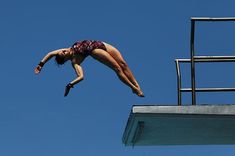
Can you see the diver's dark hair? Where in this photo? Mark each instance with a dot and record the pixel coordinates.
(59, 59)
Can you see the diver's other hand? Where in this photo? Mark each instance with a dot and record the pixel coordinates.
(67, 89)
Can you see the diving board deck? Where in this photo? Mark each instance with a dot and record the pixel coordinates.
(180, 125)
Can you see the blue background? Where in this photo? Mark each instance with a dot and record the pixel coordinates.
(35, 118)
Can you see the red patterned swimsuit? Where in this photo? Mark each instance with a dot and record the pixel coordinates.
(85, 47)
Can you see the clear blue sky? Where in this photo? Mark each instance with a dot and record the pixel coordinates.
(35, 118)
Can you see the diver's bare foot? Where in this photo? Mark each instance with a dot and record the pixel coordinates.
(141, 94)
(138, 92)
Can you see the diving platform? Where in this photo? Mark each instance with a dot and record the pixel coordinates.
(185, 124)
(180, 125)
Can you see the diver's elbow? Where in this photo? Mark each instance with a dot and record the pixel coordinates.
(81, 78)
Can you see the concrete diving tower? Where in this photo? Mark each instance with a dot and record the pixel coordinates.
(185, 125)
(180, 125)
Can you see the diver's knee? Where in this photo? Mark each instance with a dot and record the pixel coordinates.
(123, 65)
(117, 69)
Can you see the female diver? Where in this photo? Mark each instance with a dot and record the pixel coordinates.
(101, 51)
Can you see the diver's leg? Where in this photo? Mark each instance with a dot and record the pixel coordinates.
(122, 63)
(105, 58)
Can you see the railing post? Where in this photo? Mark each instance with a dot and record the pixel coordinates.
(192, 62)
(178, 83)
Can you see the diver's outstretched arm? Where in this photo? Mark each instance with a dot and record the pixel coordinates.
(44, 60)
(79, 71)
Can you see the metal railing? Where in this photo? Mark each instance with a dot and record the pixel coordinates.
(195, 59)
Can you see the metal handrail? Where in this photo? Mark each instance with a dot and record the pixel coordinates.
(209, 59)
(199, 59)
(208, 89)
(192, 49)
(195, 59)
(209, 19)
(178, 81)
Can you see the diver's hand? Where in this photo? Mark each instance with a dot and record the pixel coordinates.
(38, 69)
(67, 89)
